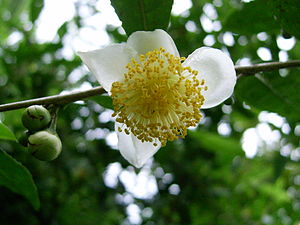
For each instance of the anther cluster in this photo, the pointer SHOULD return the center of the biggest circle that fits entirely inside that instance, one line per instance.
(159, 98)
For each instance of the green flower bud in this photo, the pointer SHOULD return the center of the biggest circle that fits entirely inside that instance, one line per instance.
(23, 138)
(44, 145)
(36, 117)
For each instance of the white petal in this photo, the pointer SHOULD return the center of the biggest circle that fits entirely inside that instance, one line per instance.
(133, 150)
(217, 69)
(145, 41)
(108, 64)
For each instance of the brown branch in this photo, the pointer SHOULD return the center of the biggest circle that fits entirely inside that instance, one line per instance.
(75, 96)
(54, 99)
(250, 70)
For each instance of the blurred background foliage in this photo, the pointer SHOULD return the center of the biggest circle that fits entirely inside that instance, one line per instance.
(239, 166)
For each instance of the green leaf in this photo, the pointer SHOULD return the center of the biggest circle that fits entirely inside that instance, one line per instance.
(104, 101)
(287, 14)
(62, 30)
(279, 163)
(36, 7)
(225, 148)
(271, 92)
(143, 14)
(5, 133)
(252, 18)
(17, 8)
(18, 179)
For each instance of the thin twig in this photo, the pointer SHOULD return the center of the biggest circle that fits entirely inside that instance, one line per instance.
(72, 97)
(250, 70)
(54, 99)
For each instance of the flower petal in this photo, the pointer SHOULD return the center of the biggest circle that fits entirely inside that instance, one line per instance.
(108, 64)
(217, 69)
(133, 150)
(145, 41)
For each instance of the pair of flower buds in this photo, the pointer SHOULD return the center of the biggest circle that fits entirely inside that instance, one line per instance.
(41, 141)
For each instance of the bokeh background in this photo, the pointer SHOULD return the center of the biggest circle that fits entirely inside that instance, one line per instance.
(239, 166)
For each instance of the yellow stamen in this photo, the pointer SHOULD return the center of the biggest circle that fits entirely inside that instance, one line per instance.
(158, 98)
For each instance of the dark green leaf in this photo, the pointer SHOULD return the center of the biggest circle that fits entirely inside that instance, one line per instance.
(279, 163)
(225, 148)
(272, 92)
(18, 179)
(251, 18)
(5, 133)
(287, 14)
(104, 101)
(143, 15)
(62, 30)
(35, 8)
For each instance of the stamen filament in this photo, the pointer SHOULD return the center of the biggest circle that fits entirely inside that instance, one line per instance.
(159, 98)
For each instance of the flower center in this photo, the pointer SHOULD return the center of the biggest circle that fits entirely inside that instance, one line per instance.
(158, 98)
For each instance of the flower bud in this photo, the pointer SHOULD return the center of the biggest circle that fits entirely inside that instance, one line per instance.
(44, 145)
(36, 117)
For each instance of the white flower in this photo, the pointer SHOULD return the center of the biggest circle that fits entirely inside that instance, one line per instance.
(156, 94)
